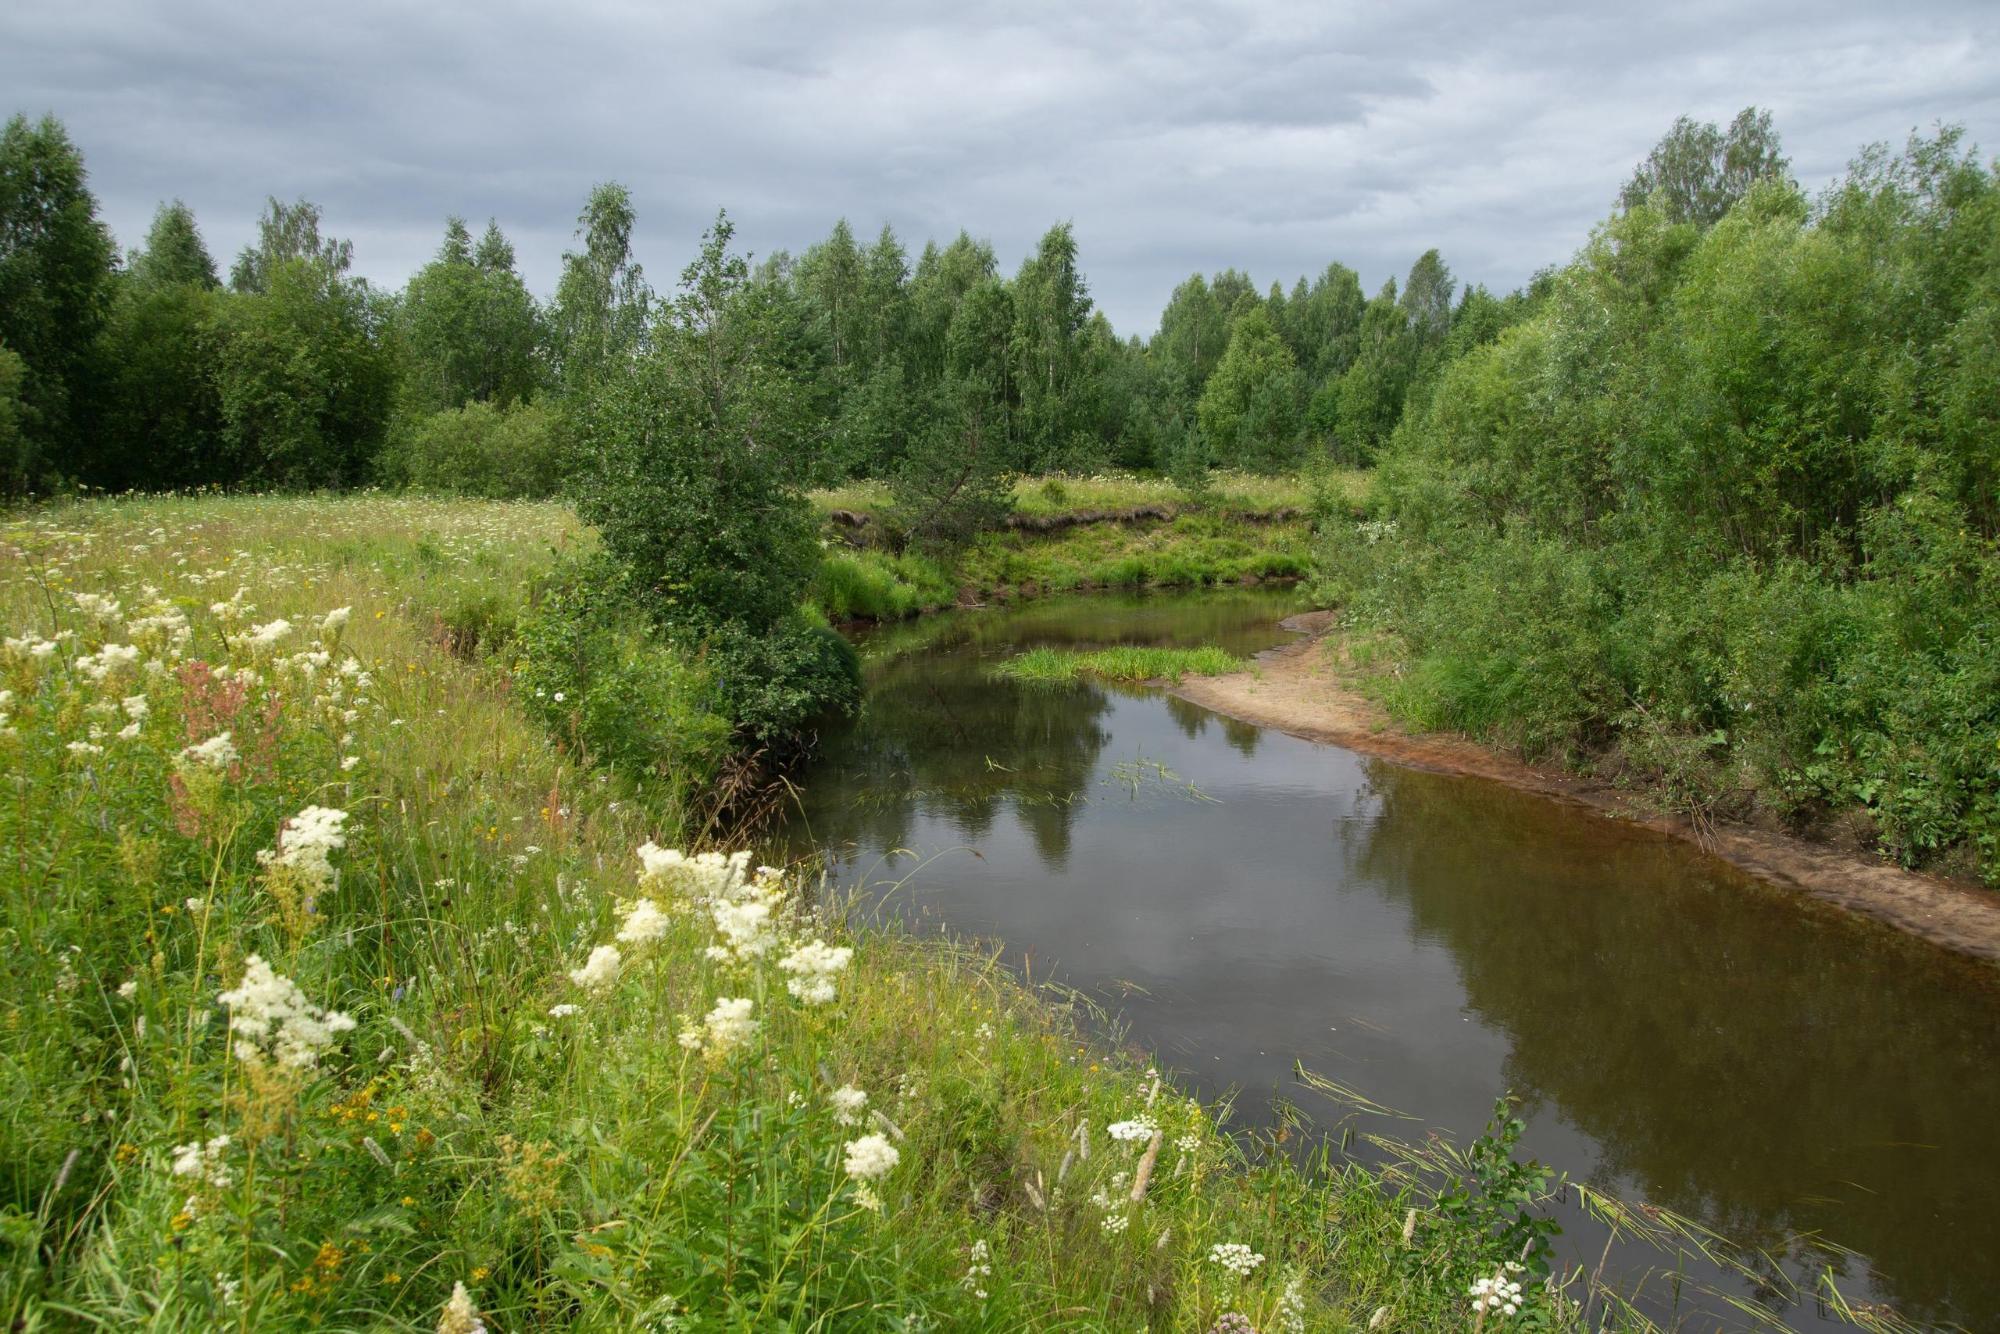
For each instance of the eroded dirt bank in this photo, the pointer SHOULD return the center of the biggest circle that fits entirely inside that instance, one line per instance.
(1299, 689)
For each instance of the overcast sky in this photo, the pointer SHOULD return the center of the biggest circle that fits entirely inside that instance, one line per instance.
(1176, 137)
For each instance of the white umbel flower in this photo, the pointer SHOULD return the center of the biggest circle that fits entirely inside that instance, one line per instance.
(1235, 1257)
(204, 1162)
(1136, 1131)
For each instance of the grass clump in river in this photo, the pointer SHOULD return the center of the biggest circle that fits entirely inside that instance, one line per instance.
(1127, 662)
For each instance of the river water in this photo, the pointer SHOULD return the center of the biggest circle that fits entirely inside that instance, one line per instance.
(1245, 902)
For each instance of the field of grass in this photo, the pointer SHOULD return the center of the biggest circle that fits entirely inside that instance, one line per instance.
(1128, 663)
(340, 997)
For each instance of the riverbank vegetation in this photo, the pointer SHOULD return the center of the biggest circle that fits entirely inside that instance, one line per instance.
(1721, 516)
(347, 993)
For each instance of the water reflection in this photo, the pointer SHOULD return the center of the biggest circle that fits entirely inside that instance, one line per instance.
(1680, 1033)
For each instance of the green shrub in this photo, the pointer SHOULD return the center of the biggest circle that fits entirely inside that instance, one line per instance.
(874, 585)
(617, 694)
(508, 453)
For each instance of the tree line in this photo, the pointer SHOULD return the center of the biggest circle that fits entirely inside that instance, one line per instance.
(150, 369)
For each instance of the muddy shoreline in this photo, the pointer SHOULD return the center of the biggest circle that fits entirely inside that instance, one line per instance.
(1297, 689)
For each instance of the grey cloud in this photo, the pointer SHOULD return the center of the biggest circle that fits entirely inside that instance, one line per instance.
(1176, 136)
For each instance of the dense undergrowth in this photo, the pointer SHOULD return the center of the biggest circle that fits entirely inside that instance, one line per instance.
(1722, 515)
(344, 994)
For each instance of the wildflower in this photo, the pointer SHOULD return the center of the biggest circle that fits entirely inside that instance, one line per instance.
(349, 762)
(978, 1268)
(848, 1104)
(745, 928)
(273, 1020)
(813, 967)
(562, 1011)
(728, 1025)
(1136, 1131)
(204, 1162)
(101, 664)
(307, 840)
(129, 732)
(1380, 1318)
(264, 636)
(335, 620)
(1232, 1322)
(136, 707)
(218, 752)
(1188, 1143)
(871, 1158)
(599, 971)
(128, 988)
(85, 748)
(96, 606)
(1235, 1257)
(460, 1315)
(644, 923)
(1498, 1293)
(1292, 1306)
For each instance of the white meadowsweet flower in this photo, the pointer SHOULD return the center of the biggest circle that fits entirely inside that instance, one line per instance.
(813, 967)
(204, 1162)
(848, 1104)
(128, 988)
(136, 707)
(268, 634)
(460, 1316)
(600, 970)
(643, 922)
(335, 619)
(307, 841)
(111, 658)
(129, 732)
(97, 606)
(273, 1020)
(218, 752)
(562, 1011)
(728, 1025)
(871, 1158)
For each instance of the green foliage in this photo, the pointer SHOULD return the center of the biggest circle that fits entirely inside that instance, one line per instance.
(1698, 171)
(775, 683)
(468, 326)
(1249, 411)
(55, 269)
(161, 420)
(1723, 507)
(873, 585)
(696, 458)
(306, 381)
(502, 453)
(598, 320)
(288, 234)
(588, 664)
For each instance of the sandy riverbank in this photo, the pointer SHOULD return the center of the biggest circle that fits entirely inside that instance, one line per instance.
(1300, 689)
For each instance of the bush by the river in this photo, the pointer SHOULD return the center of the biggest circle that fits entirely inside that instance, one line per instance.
(1727, 505)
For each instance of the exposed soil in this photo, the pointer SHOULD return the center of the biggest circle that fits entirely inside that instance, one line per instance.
(1301, 689)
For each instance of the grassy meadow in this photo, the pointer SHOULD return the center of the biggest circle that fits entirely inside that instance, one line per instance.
(341, 997)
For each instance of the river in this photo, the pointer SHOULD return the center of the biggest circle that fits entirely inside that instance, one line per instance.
(1812, 1086)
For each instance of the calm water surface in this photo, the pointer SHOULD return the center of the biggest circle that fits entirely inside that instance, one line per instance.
(1245, 900)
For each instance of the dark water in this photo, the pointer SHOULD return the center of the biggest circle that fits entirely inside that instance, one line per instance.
(1678, 1033)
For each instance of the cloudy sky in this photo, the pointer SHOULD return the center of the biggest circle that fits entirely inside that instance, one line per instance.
(1177, 137)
